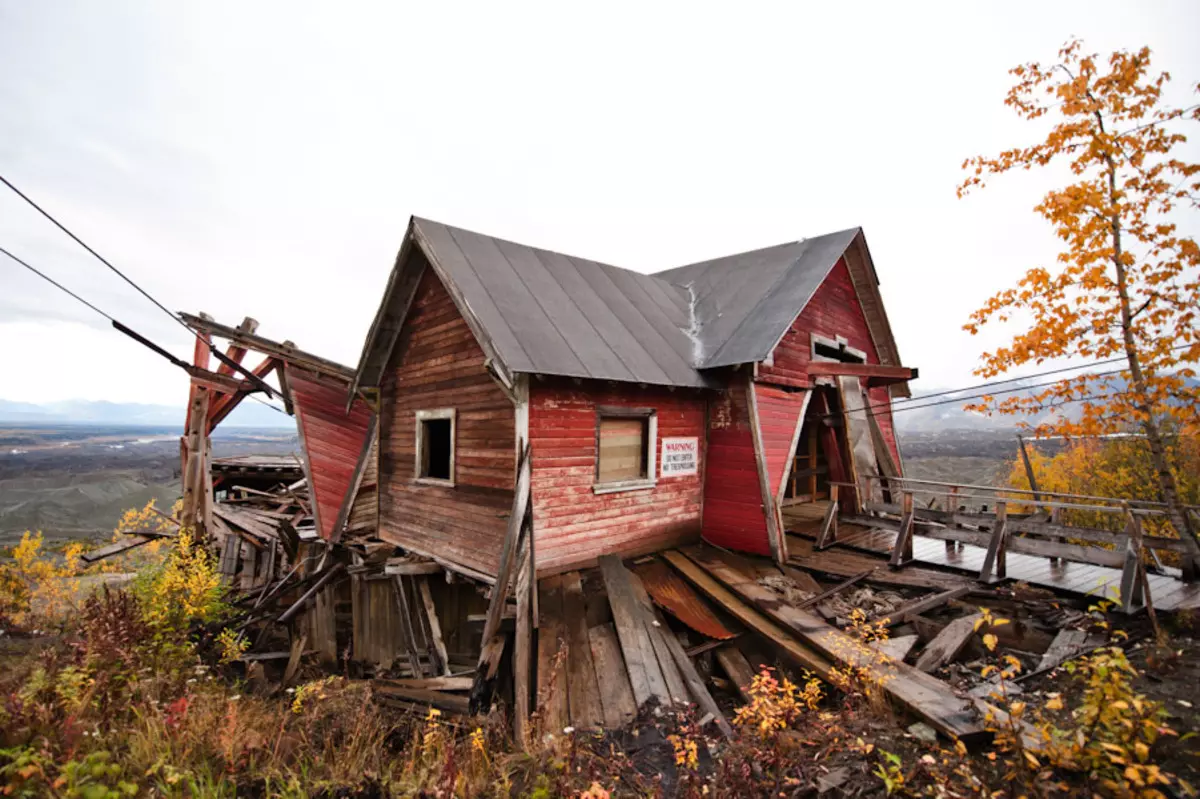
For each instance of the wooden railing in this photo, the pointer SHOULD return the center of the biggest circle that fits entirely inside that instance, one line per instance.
(1010, 526)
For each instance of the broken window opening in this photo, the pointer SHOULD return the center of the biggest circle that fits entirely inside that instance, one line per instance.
(435, 446)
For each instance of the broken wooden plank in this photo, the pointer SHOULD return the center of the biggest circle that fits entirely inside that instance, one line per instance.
(929, 698)
(658, 633)
(645, 677)
(517, 526)
(1066, 645)
(435, 626)
(411, 567)
(837, 589)
(583, 693)
(687, 670)
(460, 683)
(442, 701)
(949, 642)
(896, 648)
(523, 644)
(616, 694)
(918, 606)
(116, 548)
(551, 660)
(406, 619)
(738, 668)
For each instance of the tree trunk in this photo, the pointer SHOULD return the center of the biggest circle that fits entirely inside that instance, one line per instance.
(1158, 454)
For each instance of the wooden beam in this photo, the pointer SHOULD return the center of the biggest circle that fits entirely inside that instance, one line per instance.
(645, 676)
(996, 561)
(435, 626)
(828, 535)
(517, 523)
(949, 642)
(876, 374)
(918, 606)
(266, 346)
(902, 553)
(929, 698)
(225, 405)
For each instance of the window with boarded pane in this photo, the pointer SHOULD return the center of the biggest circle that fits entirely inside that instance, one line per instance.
(625, 452)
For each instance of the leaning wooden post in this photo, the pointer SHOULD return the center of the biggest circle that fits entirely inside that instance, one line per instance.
(903, 551)
(1131, 582)
(952, 509)
(829, 525)
(995, 563)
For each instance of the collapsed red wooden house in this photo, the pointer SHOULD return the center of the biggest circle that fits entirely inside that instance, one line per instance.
(693, 403)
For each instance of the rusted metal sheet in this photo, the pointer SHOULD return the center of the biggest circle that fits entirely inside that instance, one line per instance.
(671, 592)
(331, 438)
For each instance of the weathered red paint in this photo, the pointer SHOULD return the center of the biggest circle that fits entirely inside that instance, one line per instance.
(778, 414)
(573, 523)
(333, 441)
(733, 512)
(834, 310)
(437, 363)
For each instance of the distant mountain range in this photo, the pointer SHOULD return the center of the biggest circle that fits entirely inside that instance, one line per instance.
(247, 414)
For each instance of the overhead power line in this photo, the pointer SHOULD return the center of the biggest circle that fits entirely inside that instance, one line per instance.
(220, 356)
(116, 323)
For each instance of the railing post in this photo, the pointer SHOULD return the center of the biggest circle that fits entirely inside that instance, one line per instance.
(952, 509)
(1131, 582)
(829, 525)
(903, 551)
(996, 561)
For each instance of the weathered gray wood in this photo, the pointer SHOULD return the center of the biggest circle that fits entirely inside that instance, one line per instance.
(918, 606)
(552, 662)
(616, 694)
(929, 698)
(442, 701)
(738, 668)
(995, 561)
(903, 551)
(406, 619)
(1065, 646)
(949, 642)
(435, 626)
(896, 648)
(658, 635)
(644, 674)
(583, 693)
(508, 555)
(462, 683)
(828, 534)
(691, 678)
(523, 644)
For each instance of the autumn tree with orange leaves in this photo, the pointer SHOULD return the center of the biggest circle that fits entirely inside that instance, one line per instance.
(1127, 281)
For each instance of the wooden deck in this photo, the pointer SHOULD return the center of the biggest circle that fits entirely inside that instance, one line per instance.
(1167, 593)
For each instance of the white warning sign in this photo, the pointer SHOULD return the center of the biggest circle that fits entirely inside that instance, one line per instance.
(680, 456)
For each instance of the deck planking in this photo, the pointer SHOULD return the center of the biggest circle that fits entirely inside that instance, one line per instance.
(1167, 593)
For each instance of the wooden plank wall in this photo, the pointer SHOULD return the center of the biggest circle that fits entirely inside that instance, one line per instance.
(573, 524)
(332, 439)
(364, 512)
(834, 310)
(733, 511)
(437, 363)
(778, 413)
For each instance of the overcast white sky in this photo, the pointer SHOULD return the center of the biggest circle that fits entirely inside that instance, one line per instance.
(262, 158)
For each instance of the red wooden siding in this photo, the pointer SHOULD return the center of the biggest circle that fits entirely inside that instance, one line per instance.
(778, 415)
(438, 363)
(833, 311)
(574, 524)
(333, 440)
(733, 512)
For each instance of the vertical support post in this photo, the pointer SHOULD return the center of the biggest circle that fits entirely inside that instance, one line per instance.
(952, 509)
(195, 514)
(996, 561)
(829, 525)
(1131, 583)
(902, 553)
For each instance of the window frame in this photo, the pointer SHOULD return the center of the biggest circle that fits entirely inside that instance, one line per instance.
(419, 461)
(836, 343)
(650, 415)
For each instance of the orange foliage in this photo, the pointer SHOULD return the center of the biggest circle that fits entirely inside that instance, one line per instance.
(1127, 282)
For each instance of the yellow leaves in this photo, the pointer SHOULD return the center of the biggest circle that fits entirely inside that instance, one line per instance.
(1054, 702)
(990, 642)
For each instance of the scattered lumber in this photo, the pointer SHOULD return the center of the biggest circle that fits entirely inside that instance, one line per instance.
(461, 683)
(583, 692)
(738, 668)
(917, 607)
(420, 696)
(616, 694)
(117, 547)
(897, 648)
(645, 676)
(948, 644)
(929, 698)
(1066, 645)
